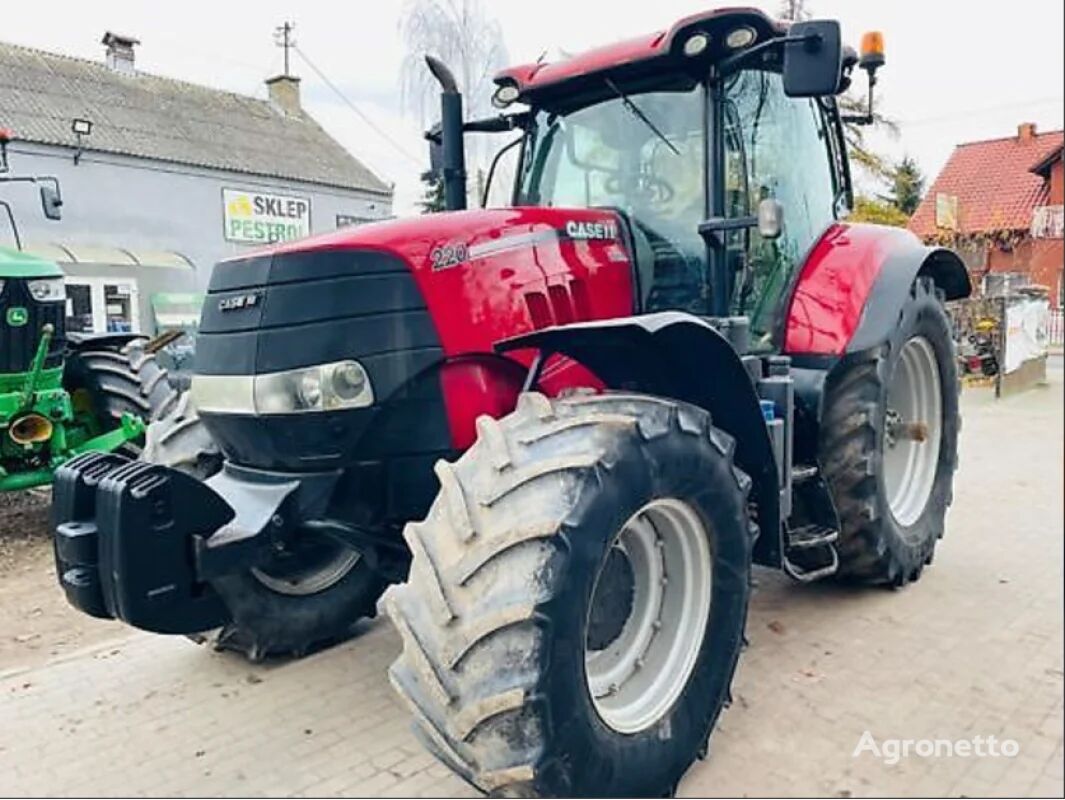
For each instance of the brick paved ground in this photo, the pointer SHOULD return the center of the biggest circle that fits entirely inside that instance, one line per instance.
(975, 648)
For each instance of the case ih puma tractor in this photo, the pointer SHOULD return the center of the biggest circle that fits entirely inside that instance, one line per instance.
(61, 395)
(570, 425)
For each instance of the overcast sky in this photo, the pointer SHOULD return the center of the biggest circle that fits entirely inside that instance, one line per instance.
(955, 71)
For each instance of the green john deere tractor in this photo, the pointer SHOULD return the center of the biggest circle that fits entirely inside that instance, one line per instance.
(63, 395)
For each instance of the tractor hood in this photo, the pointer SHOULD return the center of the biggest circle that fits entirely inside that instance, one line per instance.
(413, 301)
(18, 264)
(482, 275)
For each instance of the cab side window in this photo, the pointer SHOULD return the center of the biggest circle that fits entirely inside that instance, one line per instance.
(776, 147)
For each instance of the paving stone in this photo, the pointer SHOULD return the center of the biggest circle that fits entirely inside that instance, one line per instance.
(956, 655)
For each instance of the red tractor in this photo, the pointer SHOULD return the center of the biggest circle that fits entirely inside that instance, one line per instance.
(571, 425)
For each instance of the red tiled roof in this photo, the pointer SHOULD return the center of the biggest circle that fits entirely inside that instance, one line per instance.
(1042, 167)
(993, 182)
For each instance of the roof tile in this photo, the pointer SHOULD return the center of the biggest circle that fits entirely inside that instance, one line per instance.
(161, 118)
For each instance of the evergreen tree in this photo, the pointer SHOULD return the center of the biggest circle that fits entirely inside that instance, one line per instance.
(433, 199)
(907, 186)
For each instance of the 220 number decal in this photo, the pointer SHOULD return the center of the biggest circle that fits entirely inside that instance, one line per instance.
(448, 255)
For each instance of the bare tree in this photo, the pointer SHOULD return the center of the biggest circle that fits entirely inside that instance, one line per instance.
(460, 33)
(793, 11)
(876, 164)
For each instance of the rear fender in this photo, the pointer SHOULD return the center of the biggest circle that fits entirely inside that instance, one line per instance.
(851, 288)
(677, 355)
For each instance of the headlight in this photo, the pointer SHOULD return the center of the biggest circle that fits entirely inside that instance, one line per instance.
(348, 380)
(48, 290)
(1, 287)
(696, 44)
(309, 390)
(326, 387)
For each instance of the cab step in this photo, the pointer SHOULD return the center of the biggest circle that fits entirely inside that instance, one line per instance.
(814, 535)
(808, 574)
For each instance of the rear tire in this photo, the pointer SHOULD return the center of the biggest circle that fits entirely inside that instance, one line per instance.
(116, 380)
(891, 519)
(503, 623)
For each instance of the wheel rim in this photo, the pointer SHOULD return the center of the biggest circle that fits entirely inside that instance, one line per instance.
(311, 564)
(912, 431)
(638, 661)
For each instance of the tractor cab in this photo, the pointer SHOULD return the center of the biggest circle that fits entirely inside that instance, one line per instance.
(719, 143)
(31, 289)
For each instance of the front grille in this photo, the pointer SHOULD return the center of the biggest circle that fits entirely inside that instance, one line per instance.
(18, 344)
(268, 314)
(273, 313)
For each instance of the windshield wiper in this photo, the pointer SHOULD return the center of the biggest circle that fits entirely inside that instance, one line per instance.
(636, 112)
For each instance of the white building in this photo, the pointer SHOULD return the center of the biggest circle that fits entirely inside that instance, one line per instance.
(165, 179)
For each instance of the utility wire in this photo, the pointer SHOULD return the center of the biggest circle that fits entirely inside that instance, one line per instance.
(344, 98)
(953, 115)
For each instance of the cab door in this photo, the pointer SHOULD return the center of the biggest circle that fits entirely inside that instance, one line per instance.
(780, 148)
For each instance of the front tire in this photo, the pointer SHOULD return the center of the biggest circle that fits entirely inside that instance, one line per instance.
(889, 445)
(285, 610)
(534, 578)
(309, 595)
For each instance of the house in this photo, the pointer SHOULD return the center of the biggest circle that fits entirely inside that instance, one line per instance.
(999, 203)
(162, 178)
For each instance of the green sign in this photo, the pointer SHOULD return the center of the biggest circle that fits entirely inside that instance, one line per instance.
(17, 316)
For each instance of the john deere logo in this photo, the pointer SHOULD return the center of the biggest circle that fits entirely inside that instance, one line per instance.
(17, 316)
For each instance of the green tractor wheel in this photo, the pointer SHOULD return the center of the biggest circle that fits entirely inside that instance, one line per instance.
(108, 380)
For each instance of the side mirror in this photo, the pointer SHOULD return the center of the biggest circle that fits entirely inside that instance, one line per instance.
(770, 218)
(813, 60)
(51, 202)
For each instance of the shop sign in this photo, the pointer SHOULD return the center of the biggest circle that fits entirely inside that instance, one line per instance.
(262, 218)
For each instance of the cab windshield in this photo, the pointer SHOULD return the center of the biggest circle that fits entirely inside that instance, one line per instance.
(644, 156)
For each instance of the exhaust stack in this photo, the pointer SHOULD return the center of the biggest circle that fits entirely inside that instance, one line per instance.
(451, 135)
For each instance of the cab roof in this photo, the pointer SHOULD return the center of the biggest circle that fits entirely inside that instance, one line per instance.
(17, 264)
(658, 52)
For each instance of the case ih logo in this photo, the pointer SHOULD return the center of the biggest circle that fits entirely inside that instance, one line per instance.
(591, 230)
(238, 302)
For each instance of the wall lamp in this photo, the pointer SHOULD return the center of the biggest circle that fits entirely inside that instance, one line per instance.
(80, 127)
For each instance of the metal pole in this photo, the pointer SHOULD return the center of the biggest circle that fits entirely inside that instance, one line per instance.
(716, 262)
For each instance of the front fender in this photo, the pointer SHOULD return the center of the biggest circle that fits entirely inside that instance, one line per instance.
(677, 355)
(850, 290)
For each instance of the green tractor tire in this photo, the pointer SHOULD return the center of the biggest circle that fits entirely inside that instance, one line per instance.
(108, 380)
